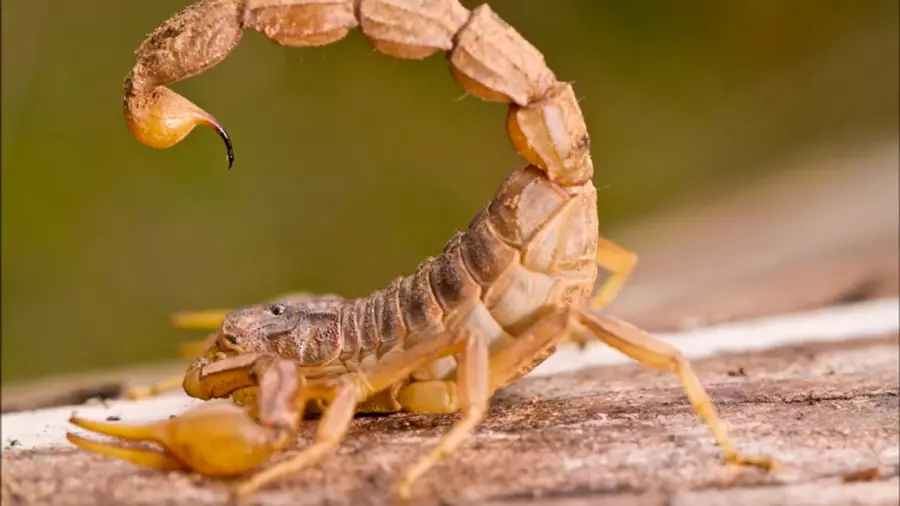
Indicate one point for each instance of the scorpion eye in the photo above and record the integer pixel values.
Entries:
(276, 309)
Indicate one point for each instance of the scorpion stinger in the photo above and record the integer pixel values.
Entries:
(190, 42)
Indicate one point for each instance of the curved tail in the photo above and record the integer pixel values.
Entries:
(487, 57)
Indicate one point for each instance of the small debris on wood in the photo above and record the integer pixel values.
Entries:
(866, 474)
(737, 372)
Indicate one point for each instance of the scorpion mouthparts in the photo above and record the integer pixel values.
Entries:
(194, 387)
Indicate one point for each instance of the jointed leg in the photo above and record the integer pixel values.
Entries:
(210, 319)
(653, 353)
(479, 376)
(344, 399)
(332, 429)
(197, 347)
(631, 341)
(343, 394)
(154, 389)
(474, 392)
(620, 262)
(189, 349)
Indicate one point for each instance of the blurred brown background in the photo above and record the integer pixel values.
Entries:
(351, 166)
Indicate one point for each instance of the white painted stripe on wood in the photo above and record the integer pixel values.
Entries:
(838, 323)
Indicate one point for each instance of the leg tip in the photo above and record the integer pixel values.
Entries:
(759, 461)
(403, 491)
(771, 465)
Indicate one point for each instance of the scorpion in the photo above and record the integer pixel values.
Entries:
(494, 304)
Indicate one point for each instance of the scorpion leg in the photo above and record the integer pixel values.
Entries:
(210, 319)
(154, 389)
(633, 342)
(344, 393)
(474, 393)
(331, 431)
(547, 332)
(189, 349)
(197, 347)
(620, 263)
(653, 353)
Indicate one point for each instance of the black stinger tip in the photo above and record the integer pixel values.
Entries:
(224, 135)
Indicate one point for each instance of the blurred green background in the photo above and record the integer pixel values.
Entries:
(351, 166)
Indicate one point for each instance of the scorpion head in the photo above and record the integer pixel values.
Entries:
(250, 338)
(261, 328)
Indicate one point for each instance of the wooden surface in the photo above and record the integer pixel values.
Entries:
(620, 434)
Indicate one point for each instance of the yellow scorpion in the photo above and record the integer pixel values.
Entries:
(490, 307)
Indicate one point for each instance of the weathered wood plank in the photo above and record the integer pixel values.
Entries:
(620, 434)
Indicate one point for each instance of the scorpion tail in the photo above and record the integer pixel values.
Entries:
(188, 43)
(163, 118)
(551, 134)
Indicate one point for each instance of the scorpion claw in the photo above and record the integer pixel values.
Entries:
(149, 432)
(212, 440)
(142, 457)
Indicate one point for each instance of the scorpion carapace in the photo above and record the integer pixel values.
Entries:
(492, 305)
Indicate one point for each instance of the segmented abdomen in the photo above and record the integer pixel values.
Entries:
(531, 246)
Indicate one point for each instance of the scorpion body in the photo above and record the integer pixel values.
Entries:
(511, 266)
(490, 307)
